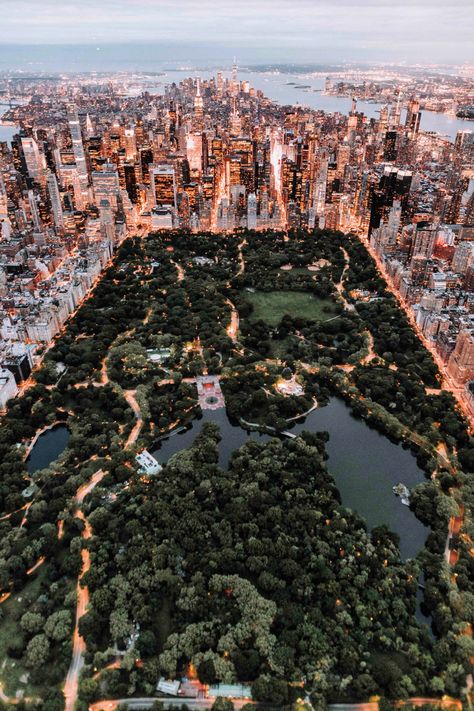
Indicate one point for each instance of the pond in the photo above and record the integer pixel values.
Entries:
(365, 465)
(49, 445)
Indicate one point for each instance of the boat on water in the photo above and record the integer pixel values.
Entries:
(403, 492)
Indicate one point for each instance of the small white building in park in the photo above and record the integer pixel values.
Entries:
(167, 686)
(8, 387)
(148, 463)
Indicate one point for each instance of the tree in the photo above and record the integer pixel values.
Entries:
(37, 651)
(54, 700)
(89, 689)
(32, 622)
(222, 704)
(270, 690)
(207, 672)
(120, 626)
(58, 625)
(147, 643)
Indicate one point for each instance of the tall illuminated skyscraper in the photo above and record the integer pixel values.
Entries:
(34, 210)
(234, 84)
(198, 106)
(78, 148)
(33, 158)
(252, 212)
(413, 118)
(56, 206)
(164, 185)
(106, 185)
(3, 200)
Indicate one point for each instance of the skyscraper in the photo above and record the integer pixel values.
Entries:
(252, 212)
(106, 185)
(413, 117)
(163, 180)
(34, 160)
(78, 148)
(56, 206)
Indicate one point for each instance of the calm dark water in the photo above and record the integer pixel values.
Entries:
(232, 435)
(6, 132)
(365, 465)
(48, 447)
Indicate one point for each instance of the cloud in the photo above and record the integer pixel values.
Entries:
(429, 29)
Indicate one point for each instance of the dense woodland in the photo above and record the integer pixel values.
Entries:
(255, 573)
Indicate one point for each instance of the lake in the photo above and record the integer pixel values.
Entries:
(365, 465)
(49, 445)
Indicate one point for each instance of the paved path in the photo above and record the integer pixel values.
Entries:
(129, 396)
(367, 706)
(179, 269)
(340, 285)
(370, 347)
(72, 680)
(241, 268)
(146, 703)
(233, 327)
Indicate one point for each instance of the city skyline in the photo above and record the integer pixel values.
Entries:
(301, 31)
(181, 253)
(236, 355)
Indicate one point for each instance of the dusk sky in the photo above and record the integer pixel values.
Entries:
(281, 30)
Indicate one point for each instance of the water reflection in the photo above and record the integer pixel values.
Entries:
(49, 445)
(365, 465)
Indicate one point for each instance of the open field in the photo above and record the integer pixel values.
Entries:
(271, 306)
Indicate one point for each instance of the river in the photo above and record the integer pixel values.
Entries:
(47, 448)
(365, 465)
(6, 132)
(283, 89)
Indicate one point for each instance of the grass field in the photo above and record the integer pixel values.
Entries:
(271, 306)
(295, 271)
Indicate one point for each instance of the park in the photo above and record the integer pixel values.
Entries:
(251, 567)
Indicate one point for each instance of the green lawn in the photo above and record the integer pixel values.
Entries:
(295, 271)
(271, 306)
(279, 348)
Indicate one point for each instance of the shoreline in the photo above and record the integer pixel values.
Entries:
(38, 434)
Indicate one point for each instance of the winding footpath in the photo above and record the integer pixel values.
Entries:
(340, 284)
(77, 662)
(370, 348)
(241, 268)
(179, 269)
(71, 685)
(129, 396)
(233, 327)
